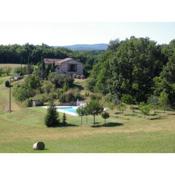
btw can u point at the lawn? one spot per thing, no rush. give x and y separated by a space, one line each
125 133
10 65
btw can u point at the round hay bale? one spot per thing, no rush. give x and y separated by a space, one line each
39 146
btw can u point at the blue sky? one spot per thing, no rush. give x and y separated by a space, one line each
59 33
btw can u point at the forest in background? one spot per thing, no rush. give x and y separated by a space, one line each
133 70
34 54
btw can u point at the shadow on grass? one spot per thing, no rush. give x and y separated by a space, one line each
154 117
131 114
110 124
40 151
63 125
67 125
153 114
118 112
172 113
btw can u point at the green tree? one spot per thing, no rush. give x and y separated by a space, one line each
145 108
52 117
94 108
131 68
21 92
32 82
59 80
81 112
64 122
166 81
128 99
121 106
163 100
114 44
47 87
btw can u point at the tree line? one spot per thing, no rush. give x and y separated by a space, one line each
29 53
34 54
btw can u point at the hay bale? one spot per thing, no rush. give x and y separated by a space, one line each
39 146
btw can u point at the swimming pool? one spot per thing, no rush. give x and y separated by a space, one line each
71 110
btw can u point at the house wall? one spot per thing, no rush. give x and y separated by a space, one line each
64 67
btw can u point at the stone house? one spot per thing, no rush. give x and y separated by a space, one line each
66 66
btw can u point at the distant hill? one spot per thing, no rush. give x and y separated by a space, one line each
87 47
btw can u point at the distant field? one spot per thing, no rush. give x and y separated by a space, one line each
10 65
126 133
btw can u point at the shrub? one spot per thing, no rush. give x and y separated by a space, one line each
66 97
64 122
70 96
5 71
163 100
8 71
86 94
52 96
32 82
47 87
65 87
52 117
112 98
21 70
22 92
145 108
44 97
59 80
121 107
28 103
29 69
153 100
95 97
77 95
126 98
1 71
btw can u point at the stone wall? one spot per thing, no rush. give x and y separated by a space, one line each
64 67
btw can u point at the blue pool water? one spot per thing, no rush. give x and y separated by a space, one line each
71 110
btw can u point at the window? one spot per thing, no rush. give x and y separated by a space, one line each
72 68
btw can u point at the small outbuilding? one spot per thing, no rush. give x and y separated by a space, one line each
37 103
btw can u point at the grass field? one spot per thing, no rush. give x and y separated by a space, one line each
125 133
10 65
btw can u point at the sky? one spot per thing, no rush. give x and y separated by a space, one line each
59 33
67 22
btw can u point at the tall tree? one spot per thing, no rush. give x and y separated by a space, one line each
166 81
129 70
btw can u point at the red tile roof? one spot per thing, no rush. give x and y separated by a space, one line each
56 61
